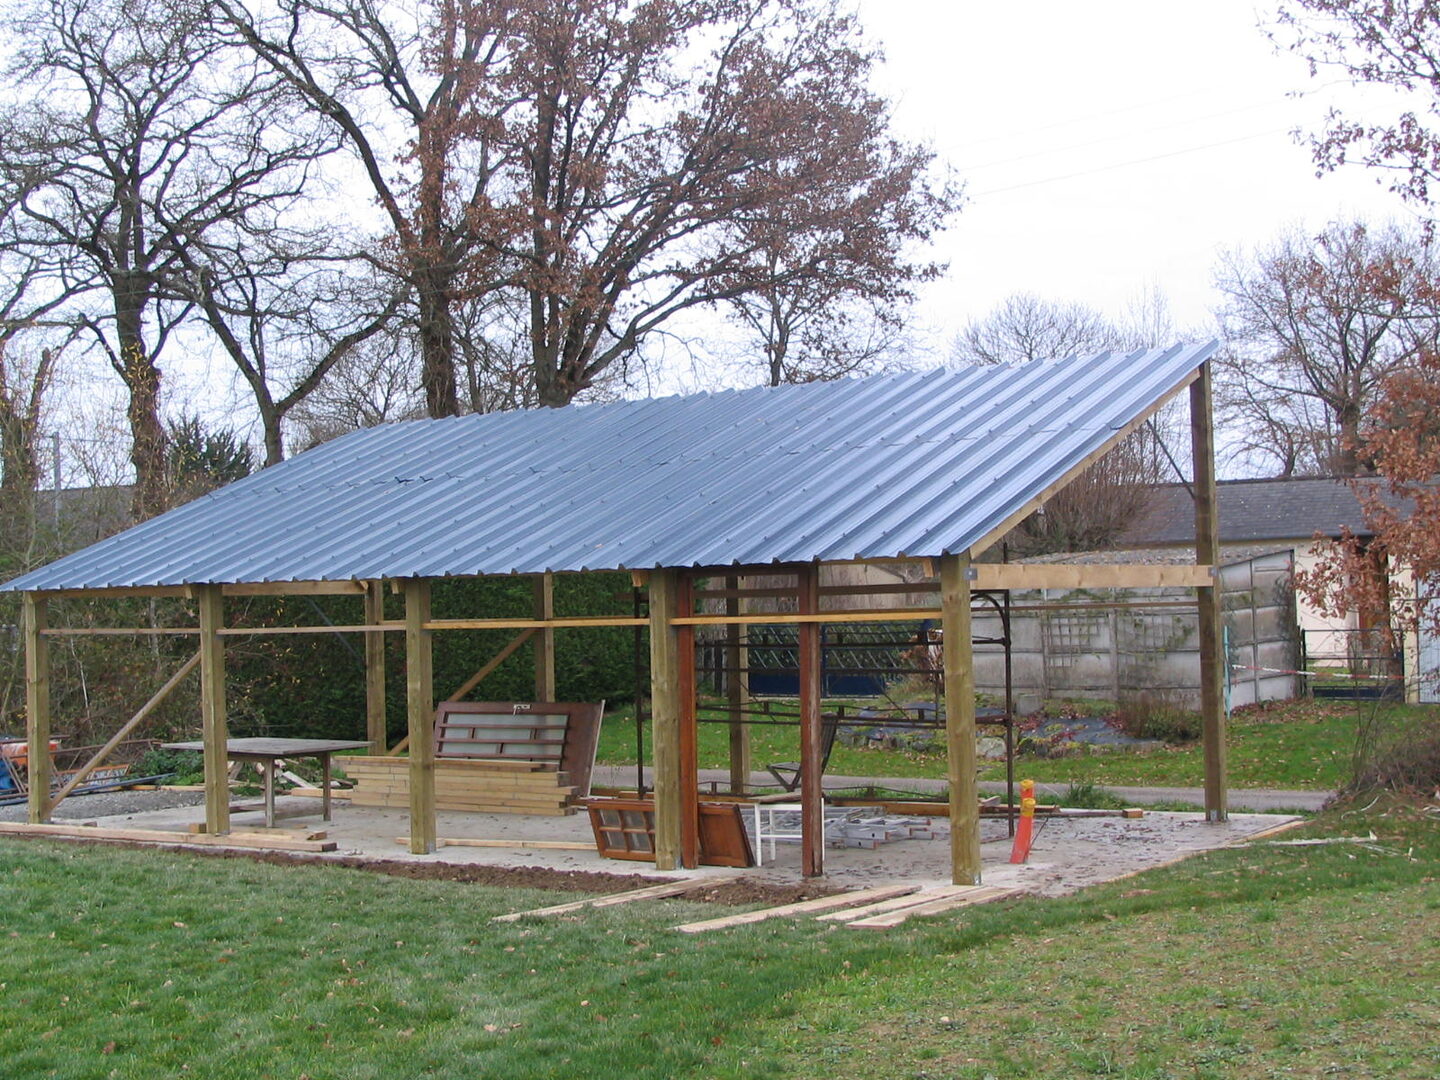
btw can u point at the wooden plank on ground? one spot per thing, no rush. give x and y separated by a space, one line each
161 836
804 907
652 892
533 845
895 904
974 894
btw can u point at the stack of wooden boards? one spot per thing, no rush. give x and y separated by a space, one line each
487 787
496 758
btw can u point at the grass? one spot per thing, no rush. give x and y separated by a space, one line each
1253 962
1303 745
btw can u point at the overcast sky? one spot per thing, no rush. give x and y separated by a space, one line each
1109 146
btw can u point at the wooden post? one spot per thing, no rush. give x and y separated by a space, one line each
420 715
958 660
37 706
689 730
545 642
1207 552
737 691
375 730
812 765
213 722
665 717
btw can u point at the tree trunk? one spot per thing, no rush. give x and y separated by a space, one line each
147 434
437 346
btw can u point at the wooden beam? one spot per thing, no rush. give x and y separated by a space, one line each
265 631
545 644
118 631
118 591
297 588
665 717
493 663
214 726
1207 596
1091 575
812 764
37 706
165 836
533 624
1026 509
375 718
420 715
689 732
803 907
737 690
769 618
125 730
960 736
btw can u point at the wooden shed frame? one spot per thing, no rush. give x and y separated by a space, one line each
671 621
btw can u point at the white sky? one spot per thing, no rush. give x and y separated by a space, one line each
1109 146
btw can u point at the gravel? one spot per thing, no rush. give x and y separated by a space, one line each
110 804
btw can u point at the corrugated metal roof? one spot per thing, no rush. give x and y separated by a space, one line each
915 464
1250 510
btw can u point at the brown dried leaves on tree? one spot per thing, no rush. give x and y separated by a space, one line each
1386 573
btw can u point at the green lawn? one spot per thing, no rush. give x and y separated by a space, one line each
1251 962
1291 745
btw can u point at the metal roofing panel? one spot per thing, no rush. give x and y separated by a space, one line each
919 464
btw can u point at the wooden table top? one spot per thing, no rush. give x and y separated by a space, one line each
277 747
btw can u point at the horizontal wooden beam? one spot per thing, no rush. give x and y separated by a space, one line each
116 631
762 618
248 588
295 588
363 628
1091 576
533 624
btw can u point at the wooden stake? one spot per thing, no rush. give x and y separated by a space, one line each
812 765
1207 551
375 726
214 726
420 715
37 706
960 720
665 717
545 644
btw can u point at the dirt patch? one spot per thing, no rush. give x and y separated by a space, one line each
734 892
748 891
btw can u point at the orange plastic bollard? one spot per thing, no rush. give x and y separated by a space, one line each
1025 832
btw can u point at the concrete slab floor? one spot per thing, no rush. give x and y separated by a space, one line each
1068 853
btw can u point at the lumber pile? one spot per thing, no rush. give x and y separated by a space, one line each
489 787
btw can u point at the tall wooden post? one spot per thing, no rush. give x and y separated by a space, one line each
958 660
420 715
812 764
1207 553
37 706
215 731
689 729
545 639
375 728
737 692
665 717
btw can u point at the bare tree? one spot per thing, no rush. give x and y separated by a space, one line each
159 135
1314 325
285 315
1025 327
